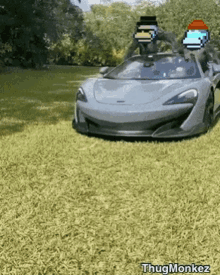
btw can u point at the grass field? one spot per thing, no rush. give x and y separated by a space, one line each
72 204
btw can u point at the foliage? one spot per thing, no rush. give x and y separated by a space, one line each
145 8
110 30
176 15
69 29
114 24
106 34
69 20
4 48
63 47
22 28
34 30
30 26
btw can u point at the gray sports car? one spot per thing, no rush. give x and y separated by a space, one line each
163 95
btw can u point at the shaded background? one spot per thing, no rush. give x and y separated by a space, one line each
88 33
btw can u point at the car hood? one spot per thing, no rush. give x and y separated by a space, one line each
115 91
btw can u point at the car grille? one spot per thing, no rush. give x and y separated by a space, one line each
136 126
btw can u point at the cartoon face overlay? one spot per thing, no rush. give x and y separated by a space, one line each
146 30
146 33
196 39
196 36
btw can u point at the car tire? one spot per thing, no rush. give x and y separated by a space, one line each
73 123
209 112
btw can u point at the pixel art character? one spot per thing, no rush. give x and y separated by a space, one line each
147 30
196 36
146 35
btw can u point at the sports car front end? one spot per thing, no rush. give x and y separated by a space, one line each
159 108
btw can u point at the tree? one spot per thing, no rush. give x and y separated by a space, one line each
69 20
171 17
29 26
107 31
22 28
69 29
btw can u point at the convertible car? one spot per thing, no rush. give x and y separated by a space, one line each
164 95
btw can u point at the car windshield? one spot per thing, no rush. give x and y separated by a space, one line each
156 67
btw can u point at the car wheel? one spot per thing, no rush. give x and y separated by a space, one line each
209 108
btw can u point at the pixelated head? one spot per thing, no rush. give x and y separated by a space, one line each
146 29
196 36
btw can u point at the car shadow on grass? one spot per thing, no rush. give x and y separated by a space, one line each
142 139
11 127
15 119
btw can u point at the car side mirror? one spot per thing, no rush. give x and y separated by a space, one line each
103 70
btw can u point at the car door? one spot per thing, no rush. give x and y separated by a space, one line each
205 62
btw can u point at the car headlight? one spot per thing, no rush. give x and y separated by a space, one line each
80 95
189 96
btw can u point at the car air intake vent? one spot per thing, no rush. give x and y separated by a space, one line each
120 101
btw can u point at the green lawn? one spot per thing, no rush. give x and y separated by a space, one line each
72 204
29 96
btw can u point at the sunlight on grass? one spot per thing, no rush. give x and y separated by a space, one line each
53 105
28 100
11 121
60 91
73 204
38 96
62 84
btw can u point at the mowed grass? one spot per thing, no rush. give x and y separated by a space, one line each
72 204
32 97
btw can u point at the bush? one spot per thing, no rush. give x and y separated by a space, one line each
2 66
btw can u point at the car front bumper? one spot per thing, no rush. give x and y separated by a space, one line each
160 127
